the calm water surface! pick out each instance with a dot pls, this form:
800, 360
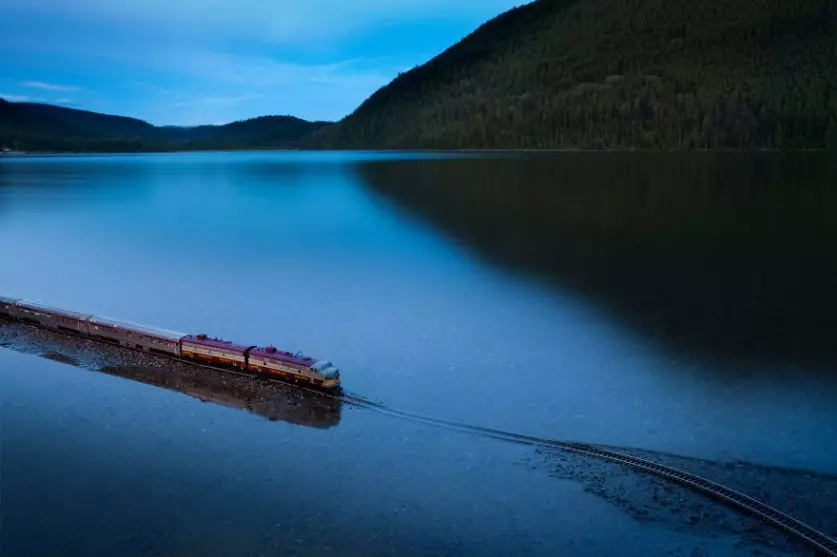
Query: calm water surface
679, 303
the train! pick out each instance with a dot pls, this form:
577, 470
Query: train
200, 348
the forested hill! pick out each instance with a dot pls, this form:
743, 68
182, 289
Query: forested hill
34, 126
685, 74
651, 74
42, 127
264, 131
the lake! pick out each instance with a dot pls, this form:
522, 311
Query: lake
680, 303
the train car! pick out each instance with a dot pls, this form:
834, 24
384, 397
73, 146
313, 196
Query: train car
51, 317
6, 305
136, 336
295, 367
214, 351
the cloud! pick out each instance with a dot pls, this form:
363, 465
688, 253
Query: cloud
21, 98
217, 86
48, 86
302, 21
31, 99
216, 101
256, 72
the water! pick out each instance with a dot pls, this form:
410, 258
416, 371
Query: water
678, 303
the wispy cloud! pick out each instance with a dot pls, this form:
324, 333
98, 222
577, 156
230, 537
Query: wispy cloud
301, 21
197, 61
21, 98
30, 99
218, 86
216, 101
48, 86
257, 72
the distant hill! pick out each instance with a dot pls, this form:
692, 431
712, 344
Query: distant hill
254, 132
43, 127
651, 74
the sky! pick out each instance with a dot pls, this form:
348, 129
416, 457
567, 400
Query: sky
190, 62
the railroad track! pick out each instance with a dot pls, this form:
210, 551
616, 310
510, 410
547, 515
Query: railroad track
822, 543
816, 539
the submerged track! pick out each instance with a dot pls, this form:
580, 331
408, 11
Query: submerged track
792, 526
822, 543
816, 539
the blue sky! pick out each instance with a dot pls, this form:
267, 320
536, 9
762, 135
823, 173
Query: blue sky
189, 62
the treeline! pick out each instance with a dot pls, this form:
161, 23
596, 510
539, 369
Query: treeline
47, 143
48, 128
692, 74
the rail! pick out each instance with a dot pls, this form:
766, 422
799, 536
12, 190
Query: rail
818, 540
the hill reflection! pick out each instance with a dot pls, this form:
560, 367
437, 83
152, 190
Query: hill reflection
719, 255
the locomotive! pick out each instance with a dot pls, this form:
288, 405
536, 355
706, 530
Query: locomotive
266, 360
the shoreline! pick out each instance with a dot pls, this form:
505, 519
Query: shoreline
479, 151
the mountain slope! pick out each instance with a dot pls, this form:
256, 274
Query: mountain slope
618, 73
85, 122
42, 127
32, 126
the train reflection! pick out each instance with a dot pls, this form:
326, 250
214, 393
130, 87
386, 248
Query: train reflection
270, 399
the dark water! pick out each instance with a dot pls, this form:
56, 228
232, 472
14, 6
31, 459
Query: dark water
679, 303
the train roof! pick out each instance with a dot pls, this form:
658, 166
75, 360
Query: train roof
172, 336
204, 340
5, 300
275, 354
55, 310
